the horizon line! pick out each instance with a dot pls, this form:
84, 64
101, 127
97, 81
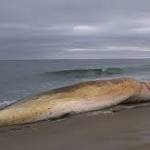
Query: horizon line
76, 59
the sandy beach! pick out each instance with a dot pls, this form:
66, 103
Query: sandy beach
123, 130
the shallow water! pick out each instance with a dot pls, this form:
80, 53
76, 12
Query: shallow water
22, 78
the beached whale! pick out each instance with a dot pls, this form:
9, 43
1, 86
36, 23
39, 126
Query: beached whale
78, 98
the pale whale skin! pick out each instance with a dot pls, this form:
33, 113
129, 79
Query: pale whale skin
82, 97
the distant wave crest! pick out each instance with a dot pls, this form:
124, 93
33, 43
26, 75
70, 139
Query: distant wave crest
87, 72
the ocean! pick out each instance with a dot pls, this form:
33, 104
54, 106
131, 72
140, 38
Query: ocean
22, 78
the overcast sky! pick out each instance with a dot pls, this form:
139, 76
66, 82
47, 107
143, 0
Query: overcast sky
53, 29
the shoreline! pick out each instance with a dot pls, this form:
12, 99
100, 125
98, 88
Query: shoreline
127, 129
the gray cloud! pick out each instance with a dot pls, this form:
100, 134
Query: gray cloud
43, 29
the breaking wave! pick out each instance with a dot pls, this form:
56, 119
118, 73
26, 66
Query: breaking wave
87, 72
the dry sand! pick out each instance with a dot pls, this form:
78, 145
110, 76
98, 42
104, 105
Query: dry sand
124, 130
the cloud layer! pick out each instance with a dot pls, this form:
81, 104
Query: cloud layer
48, 29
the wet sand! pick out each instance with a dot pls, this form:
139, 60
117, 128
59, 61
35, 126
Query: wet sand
124, 130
